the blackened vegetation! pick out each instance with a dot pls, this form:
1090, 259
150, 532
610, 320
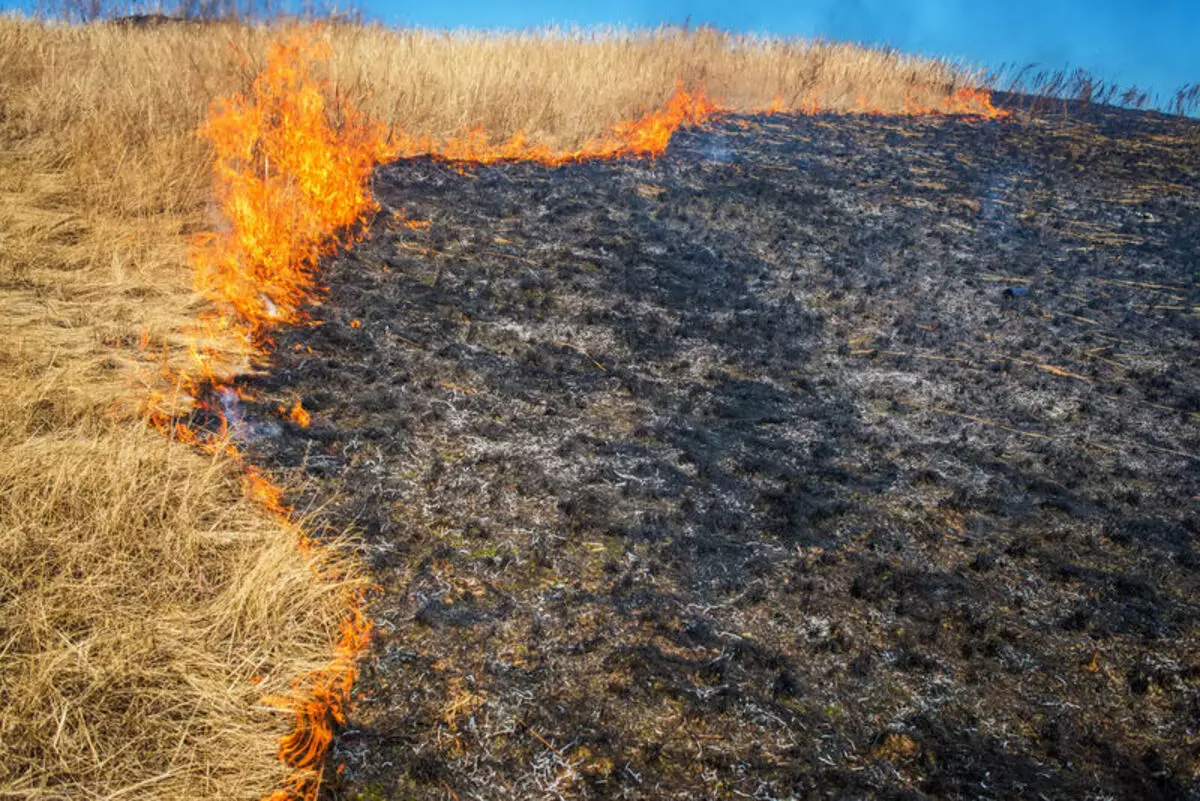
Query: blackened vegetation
821, 457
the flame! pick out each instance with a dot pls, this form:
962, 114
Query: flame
966, 102
289, 185
810, 105
260, 489
402, 218
286, 181
289, 182
297, 414
644, 137
320, 702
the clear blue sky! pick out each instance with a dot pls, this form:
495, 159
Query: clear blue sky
1152, 43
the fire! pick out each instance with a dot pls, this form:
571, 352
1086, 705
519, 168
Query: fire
259, 488
810, 106
318, 700
297, 414
287, 182
644, 137
402, 218
319, 705
965, 102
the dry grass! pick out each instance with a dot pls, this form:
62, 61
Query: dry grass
566, 86
146, 606
146, 610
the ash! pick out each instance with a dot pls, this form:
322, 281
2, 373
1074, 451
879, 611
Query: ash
821, 457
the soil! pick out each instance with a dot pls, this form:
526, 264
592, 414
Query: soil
821, 457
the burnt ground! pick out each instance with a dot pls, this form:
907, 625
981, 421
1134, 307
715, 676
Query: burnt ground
821, 457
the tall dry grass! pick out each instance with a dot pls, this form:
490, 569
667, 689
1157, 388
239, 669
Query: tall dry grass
564, 86
146, 607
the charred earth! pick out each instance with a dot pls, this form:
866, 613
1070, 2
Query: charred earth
823, 456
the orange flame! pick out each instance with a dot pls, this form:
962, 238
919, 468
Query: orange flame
289, 183
647, 136
297, 414
777, 106
319, 703
286, 180
415, 225
965, 102
259, 488
318, 700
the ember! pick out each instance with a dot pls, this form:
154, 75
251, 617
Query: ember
297, 414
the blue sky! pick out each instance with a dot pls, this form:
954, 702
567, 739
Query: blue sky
1152, 43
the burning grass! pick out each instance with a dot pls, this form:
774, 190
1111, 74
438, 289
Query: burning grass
150, 605
287, 183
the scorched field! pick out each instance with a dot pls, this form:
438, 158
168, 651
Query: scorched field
821, 456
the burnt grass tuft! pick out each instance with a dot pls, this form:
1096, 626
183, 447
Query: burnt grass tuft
821, 457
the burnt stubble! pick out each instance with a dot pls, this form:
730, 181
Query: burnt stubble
823, 456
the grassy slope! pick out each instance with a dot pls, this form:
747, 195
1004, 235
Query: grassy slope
146, 606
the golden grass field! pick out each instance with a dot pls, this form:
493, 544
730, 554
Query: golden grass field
146, 605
